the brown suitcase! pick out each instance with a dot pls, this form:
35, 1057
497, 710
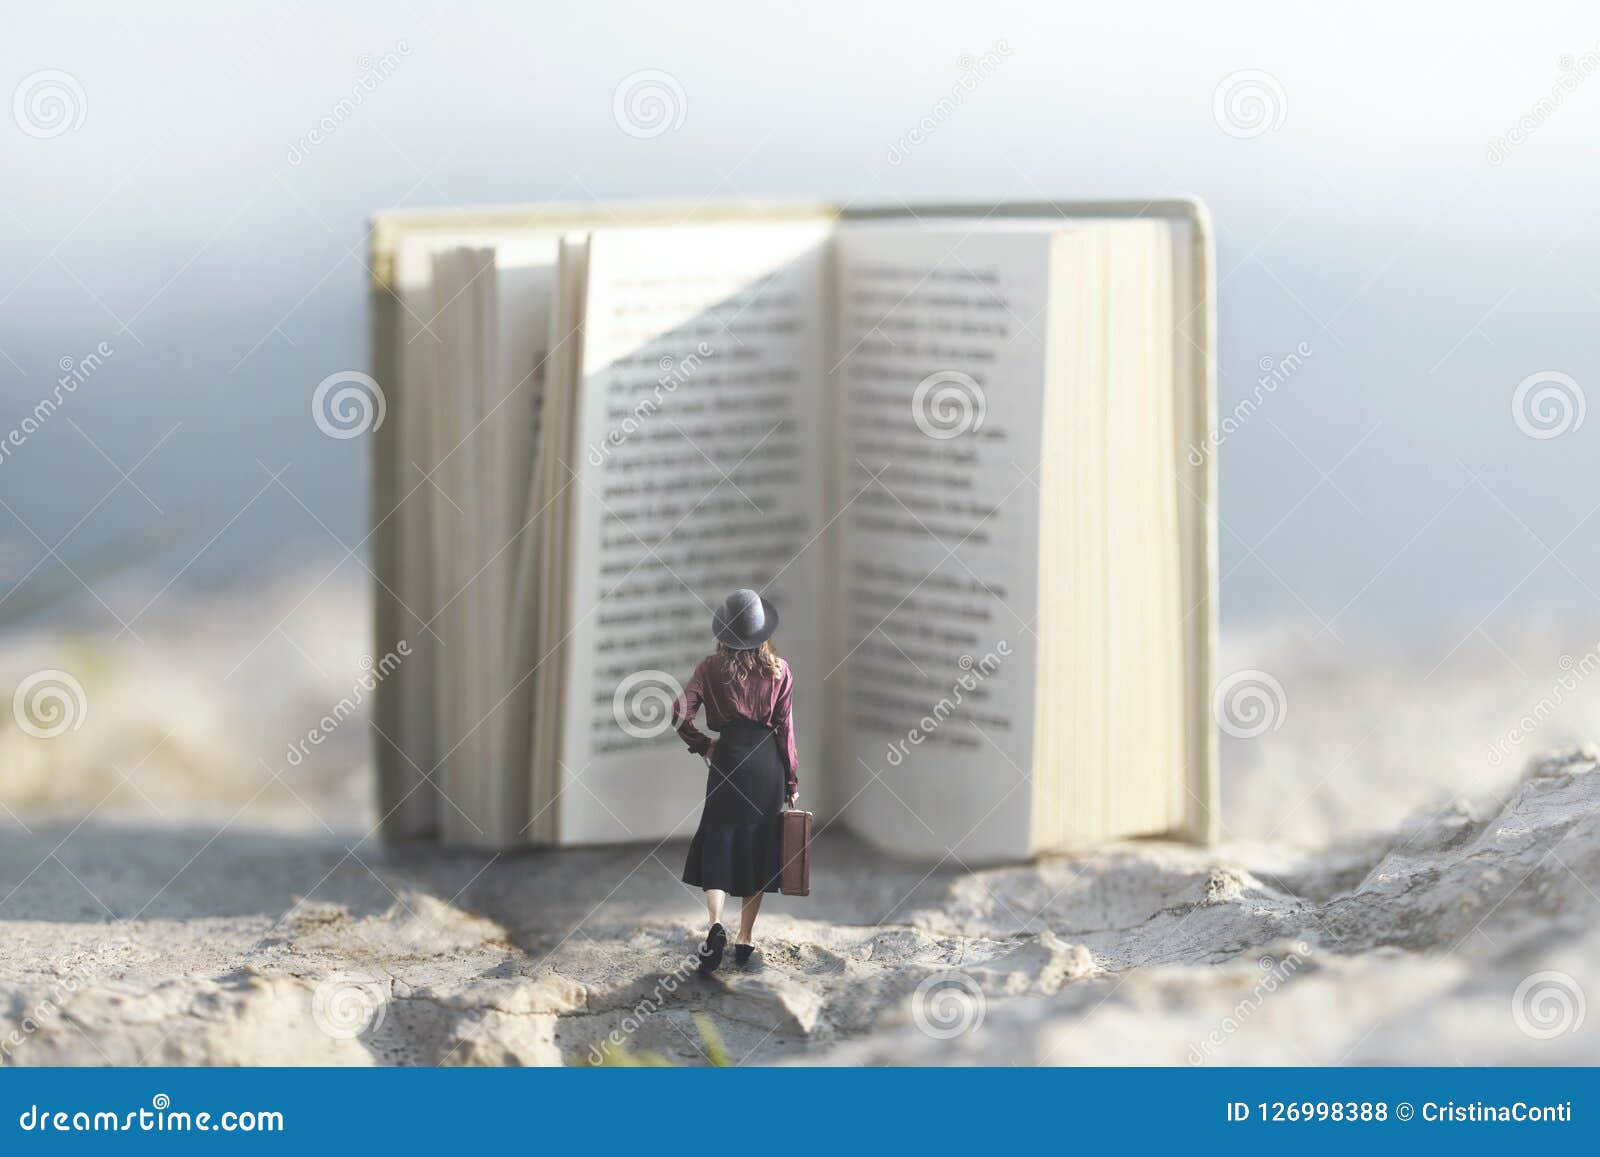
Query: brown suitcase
796, 850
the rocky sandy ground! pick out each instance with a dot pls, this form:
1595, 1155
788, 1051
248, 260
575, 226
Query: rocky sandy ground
171, 892
1467, 936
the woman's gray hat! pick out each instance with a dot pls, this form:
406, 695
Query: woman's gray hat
744, 621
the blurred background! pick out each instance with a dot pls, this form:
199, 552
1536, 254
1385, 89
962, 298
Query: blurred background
1405, 219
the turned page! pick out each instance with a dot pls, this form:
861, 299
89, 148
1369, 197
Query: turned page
524, 293
940, 355
697, 469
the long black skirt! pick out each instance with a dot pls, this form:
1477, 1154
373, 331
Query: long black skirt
736, 848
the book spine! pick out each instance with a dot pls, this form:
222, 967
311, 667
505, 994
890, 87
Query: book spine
1203, 810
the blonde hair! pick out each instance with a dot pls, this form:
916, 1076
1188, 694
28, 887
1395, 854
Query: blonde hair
742, 664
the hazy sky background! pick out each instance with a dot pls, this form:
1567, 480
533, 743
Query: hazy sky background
1382, 218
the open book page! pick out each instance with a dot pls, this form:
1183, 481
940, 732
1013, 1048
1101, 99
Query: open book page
941, 354
697, 470
433, 446
523, 290
453, 491
544, 576
404, 726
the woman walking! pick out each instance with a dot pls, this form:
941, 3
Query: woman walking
747, 693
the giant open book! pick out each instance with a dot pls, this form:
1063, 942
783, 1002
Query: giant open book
953, 445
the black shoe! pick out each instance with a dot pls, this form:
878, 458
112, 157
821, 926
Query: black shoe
711, 950
744, 955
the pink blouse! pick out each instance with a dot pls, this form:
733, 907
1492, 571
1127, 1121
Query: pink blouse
767, 699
